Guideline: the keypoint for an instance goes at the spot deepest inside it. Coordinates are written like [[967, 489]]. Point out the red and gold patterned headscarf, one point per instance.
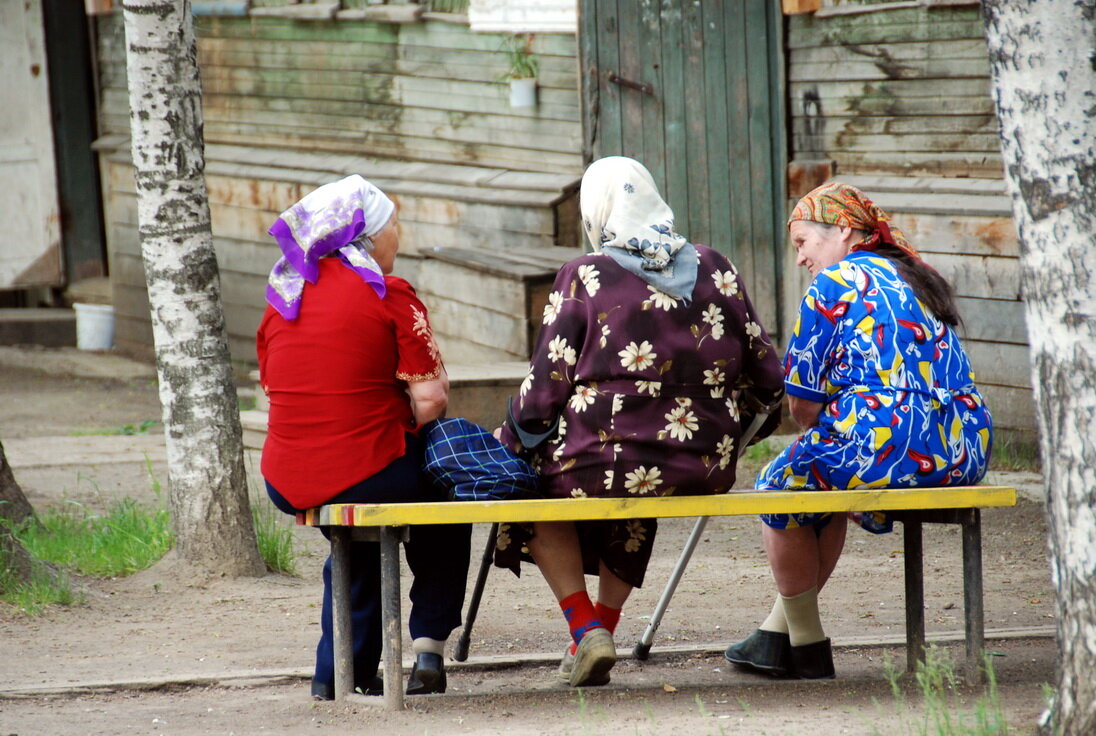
[[846, 206]]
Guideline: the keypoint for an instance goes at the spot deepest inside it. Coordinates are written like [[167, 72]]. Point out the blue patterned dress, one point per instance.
[[901, 408]]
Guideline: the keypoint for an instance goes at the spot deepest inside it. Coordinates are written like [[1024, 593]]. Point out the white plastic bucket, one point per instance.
[[94, 326], [523, 92]]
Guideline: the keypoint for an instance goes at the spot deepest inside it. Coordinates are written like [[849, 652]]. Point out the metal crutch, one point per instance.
[[643, 648], [460, 652]]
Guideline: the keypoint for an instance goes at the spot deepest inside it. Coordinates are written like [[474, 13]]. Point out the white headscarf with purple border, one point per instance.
[[337, 217]]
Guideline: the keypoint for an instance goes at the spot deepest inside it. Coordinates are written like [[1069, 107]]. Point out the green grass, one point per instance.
[[127, 538], [275, 539], [943, 711], [1012, 452], [45, 588]]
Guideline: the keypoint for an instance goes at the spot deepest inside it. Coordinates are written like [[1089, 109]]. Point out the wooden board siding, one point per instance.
[[417, 108], [901, 91], [425, 91]]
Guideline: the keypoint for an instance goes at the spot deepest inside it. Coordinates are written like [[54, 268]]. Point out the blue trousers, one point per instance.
[[436, 554]]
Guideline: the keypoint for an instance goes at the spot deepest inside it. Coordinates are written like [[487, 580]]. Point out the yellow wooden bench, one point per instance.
[[388, 523]]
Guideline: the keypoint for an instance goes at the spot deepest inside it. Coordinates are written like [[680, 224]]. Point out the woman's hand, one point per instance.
[[429, 399], [805, 413]]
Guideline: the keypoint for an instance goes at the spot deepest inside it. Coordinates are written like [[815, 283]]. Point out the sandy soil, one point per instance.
[[165, 652]]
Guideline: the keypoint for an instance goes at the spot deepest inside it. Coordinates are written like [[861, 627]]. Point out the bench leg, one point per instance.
[[915, 595], [340, 613], [390, 617], [972, 593]]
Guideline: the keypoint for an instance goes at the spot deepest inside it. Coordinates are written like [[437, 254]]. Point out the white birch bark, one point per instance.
[[208, 491], [1043, 57]]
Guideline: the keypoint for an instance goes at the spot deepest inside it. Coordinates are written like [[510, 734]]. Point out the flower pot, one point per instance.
[[523, 92]]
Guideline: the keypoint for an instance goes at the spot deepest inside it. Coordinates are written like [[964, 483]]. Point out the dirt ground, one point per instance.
[[165, 652]]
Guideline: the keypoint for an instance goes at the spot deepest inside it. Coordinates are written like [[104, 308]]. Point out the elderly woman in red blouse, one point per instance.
[[351, 369]]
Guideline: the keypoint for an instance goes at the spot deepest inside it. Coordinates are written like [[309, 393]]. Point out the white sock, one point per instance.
[[425, 644], [804, 623], [776, 621]]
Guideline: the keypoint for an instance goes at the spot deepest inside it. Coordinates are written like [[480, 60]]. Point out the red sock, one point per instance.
[[578, 609], [609, 618]]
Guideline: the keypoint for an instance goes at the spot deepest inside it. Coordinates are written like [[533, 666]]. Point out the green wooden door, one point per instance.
[[694, 90]]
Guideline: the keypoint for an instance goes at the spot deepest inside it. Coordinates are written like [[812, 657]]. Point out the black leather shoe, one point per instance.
[[765, 651], [813, 661], [427, 674]]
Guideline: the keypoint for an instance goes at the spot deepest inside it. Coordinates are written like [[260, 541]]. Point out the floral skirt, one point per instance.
[[624, 545]]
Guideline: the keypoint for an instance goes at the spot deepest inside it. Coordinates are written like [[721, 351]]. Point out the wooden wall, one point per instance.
[[897, 100], [291, 104], [901, 90]]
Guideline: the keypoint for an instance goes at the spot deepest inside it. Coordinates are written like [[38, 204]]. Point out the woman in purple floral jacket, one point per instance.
[[649, 356]]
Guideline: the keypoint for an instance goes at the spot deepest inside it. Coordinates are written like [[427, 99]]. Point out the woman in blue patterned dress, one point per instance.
[[883, 391]]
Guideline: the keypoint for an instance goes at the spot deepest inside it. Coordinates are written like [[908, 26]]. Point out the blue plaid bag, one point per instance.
[[471, 465]]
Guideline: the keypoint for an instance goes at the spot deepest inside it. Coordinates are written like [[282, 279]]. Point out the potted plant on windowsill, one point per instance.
[[522, 72]]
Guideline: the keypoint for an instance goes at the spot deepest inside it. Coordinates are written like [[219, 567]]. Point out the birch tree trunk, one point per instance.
[[1043, 57], [209, 505]]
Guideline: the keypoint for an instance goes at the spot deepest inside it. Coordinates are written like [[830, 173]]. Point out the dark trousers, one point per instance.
[[436, 554]]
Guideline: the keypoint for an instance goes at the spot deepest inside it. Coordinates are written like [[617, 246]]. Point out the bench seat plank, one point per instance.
[[728, 504]]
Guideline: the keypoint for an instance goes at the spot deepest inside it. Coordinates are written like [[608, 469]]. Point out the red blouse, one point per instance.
[[337, 379]]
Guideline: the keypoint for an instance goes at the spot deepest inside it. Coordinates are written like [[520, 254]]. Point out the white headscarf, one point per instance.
[[340, 216], [626, 218]]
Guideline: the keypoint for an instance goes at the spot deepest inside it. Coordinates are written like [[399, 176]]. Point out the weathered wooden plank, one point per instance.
[[990, 236], [695, 122], [985, 277], [654, 130], [739, 245], [456, 127], [437, 279], [899, 26], [505, 332], [333, 113], [885, 70], [609, 131], [851, 126], [762, 277], [976, 88], [675, 189], [891, 107], [448, 35], [426, 235], [489, 69], [421, 149], [265, 195], [719, 185], [965, 142], [284, 30], [993, 320], [887, 52], [1002, 364], [459, 349], [631, 67], [1012, 408], [957, 164]]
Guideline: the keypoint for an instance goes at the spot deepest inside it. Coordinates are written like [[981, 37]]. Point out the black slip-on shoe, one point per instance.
[[768, 652], [427, 674], [813, 661]]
